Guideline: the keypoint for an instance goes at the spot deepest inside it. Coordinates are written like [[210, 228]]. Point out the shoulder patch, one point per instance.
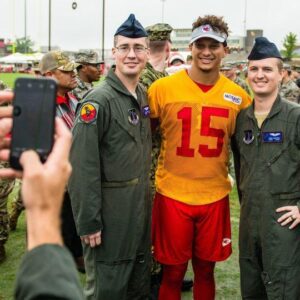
[[233, 98], [88, 112]]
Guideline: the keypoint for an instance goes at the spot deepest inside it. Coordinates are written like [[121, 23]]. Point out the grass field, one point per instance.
[[227, 273], [9, 78]]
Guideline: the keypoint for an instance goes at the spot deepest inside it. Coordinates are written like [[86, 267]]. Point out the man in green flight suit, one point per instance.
[[267, 149], [109, 186]]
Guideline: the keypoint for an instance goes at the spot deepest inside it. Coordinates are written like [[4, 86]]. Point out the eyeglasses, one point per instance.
[[125, 49]]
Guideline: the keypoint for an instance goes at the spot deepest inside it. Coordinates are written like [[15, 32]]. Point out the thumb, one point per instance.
[[30, 161]]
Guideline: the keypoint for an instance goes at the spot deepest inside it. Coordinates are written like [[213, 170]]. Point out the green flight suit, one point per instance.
[[109, 189], [48, 272], [268, 174]]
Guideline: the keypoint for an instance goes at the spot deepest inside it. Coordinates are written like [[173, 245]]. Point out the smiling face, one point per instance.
[[131, 55], [264, 76], [207, 54]]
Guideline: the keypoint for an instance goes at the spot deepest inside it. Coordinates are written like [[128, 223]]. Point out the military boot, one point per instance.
[[13, 218], [2, 253]]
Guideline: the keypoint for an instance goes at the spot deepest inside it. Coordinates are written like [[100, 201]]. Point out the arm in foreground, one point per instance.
[[47, 270]]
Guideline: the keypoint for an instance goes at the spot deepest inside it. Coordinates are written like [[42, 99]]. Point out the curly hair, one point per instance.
[[217, 23]]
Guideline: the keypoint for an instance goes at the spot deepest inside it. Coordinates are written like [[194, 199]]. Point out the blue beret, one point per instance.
[[263, 49], [131, 28]]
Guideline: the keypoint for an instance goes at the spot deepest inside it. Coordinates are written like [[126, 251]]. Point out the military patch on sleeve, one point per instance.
[[88, 112]]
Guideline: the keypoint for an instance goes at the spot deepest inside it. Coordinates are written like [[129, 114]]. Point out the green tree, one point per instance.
[[24, 45], [289, 45]]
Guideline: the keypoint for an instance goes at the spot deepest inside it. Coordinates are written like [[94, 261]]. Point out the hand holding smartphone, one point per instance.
[[33, 118]]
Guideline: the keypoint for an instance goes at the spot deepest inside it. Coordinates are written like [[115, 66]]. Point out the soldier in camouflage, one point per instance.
[[160, 48], [289, 89], [6, 186], [229, 70], [3, 86], [88, 71], [17, 207]]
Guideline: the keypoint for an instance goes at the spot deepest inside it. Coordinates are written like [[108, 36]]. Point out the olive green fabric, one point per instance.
[[48, 272], [109, 186], [268, 176]]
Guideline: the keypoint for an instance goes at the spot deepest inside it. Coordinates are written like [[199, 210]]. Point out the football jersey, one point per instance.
[[196, 128]]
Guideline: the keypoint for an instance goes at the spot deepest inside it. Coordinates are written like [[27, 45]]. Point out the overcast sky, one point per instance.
[[82, 28]]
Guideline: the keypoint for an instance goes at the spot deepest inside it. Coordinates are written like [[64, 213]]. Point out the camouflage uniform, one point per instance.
[[157, 32], [82, 88], [3, 86], [17, 208], [242, 83], [290, 91], [6, 186], [85, 57]]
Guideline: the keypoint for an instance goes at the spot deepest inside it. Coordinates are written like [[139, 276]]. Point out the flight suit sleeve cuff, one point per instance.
[[298, 204]]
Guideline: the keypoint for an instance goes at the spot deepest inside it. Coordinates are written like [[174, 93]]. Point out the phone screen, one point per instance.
[[33, 117]]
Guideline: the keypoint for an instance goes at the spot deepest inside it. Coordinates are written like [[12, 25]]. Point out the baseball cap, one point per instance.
[[88, 57], [159, 32], [206, 31], [176, 56], [56, 60]]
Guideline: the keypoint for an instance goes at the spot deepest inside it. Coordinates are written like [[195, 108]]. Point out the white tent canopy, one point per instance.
[[19, 58]]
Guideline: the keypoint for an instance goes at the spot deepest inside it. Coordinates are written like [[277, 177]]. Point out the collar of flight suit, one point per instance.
[[276, 108], [114, 81]]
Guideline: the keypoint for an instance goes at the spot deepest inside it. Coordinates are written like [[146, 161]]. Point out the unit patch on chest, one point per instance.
[[248, 137], [133, 116], [272, 137]]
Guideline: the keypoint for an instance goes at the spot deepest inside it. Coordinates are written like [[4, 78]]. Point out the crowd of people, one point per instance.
[[149, 186]]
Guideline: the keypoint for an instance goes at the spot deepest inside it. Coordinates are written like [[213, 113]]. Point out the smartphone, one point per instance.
[[34, 106]]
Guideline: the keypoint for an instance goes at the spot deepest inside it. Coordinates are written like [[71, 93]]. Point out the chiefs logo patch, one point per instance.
[[206, 28], [88, 113]]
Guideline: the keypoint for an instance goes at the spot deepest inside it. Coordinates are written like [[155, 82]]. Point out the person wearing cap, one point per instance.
[[176, 63], [229, 70], [57, 65], [6, 187], [109, 185], [159, 51], [88, 71], [160, 44], [196, 110], [267, 150], [160, 48], [288, 88]]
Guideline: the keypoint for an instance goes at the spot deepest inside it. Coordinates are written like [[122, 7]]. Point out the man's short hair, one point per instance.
[[217, 23]]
